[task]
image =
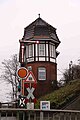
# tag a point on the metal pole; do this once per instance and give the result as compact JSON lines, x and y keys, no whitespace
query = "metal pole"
{"x":64,"y":116}
{"x":6,"y":115}
{"x":53,"y":117}
{"x":23,"y":115}
{"x":48,"y":116}
{"x":18,"y":115}
{"x":70,"y":116}
{"x":29,"y":116}
{"x":59,"y":116}
{"x":35,"y":116}
{"x":0,"y":115}
{"x":41,"y":115}
{"x":75,"y":116}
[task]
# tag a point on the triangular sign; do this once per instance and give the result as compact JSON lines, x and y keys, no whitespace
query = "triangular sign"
{"x":30,"y":78}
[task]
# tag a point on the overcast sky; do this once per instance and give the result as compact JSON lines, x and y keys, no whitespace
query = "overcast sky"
{"x":64,"y":15}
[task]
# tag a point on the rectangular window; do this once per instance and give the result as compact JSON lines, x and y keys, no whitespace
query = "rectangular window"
{"x":26,"y":51}
{"x":41,"y":49}
{"x":52,"y":51}
{"x":41,"y":73}
{"x":30,"y":50}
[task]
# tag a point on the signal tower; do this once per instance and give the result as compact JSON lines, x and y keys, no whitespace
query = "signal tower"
{"x":38,"y":53}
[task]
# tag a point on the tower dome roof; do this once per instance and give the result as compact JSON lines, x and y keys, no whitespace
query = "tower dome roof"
{"x":40,"y":29}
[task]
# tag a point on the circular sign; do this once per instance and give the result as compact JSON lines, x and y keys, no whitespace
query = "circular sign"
{"x":22,"y":72}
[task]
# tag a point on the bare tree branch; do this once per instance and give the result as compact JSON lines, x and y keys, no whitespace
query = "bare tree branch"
{"x":9,"y":72}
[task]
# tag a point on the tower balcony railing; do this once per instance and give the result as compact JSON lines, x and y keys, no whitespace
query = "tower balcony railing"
{"x":38,"y":114}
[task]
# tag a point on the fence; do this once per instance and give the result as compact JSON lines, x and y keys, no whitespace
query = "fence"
{"x":37,"y":114}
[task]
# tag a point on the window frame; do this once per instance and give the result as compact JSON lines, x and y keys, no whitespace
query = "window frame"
{"x":30,"y":50}
{"x":52,"y":51}
{"x":41,"y":49}
{"x":41,"y":77}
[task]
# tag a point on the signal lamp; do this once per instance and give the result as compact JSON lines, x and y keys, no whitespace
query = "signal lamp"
{"x":37,"y":42}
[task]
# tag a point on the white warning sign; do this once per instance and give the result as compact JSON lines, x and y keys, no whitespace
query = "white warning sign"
{"x":30,"y":78}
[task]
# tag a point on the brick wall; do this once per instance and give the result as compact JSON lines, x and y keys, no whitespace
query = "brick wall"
{"x":44,"y":86}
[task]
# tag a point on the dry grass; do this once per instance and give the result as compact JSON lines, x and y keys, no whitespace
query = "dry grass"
{"x":60,"y":97}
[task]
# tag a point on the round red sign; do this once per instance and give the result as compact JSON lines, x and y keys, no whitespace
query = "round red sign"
{"x":22,"y":72}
